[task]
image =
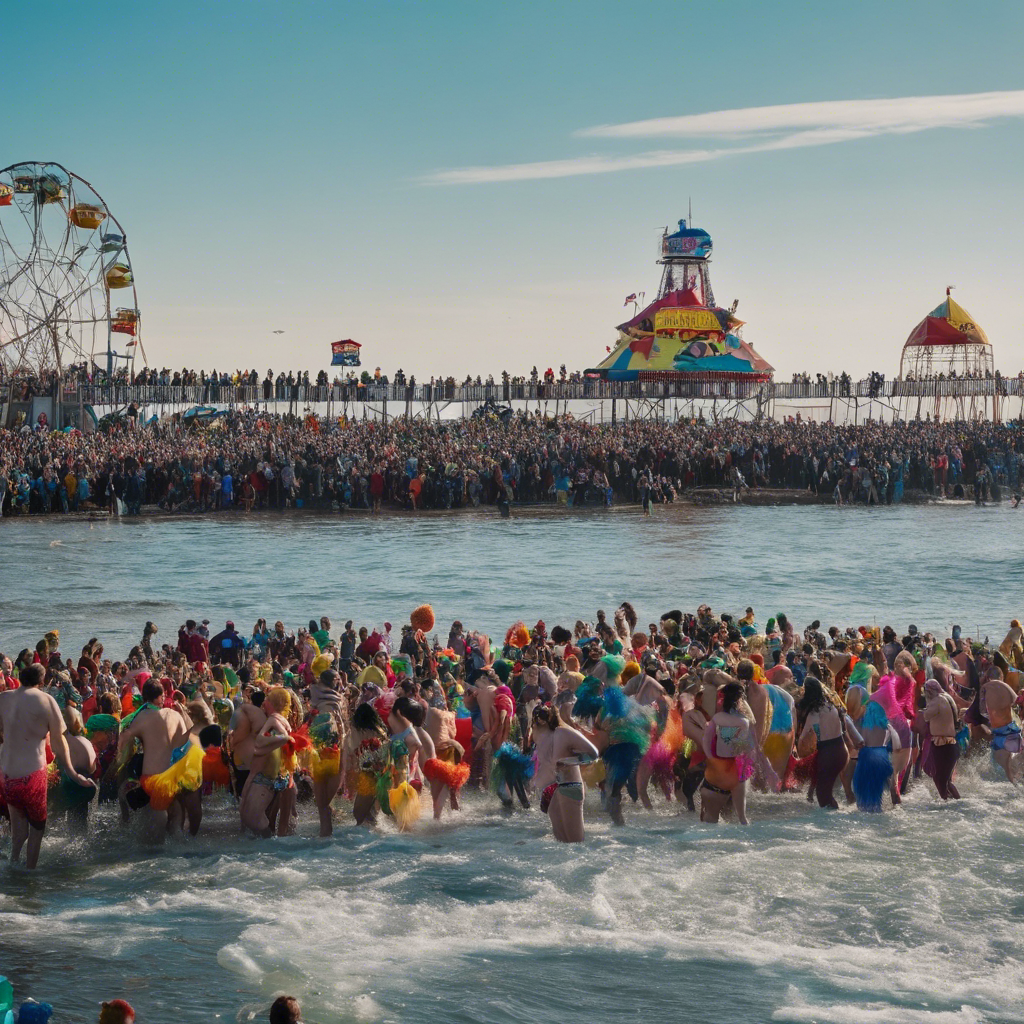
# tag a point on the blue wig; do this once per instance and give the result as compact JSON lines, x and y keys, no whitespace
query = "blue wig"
{"x":874,"y":716}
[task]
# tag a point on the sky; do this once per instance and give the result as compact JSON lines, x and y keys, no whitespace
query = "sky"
{"x":471,"y":187}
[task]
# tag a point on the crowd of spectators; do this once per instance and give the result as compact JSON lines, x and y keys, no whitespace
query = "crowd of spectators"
{"x":253,"y":460}
{"x":282,"y":386}
{"x":295,"y":385}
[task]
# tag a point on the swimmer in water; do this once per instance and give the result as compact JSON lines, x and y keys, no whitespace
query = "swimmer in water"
{"x":830,"y":726}
{"x":327,"y":725}
{"x":246,"y":722}
{"x":1007,"y":748}
{"x":172,"y":766}
{"x":270,"y":788}
{"x":874,"y":771}
{"x":726,"y":744}
{"x":363,"y":758}
{"x":28,"y":718}
{"x":695,"y":722}
{"x":73,"y":800}
{"x":560,"y":752}
{"x":446,"y":772}
{"x":940,"y":713}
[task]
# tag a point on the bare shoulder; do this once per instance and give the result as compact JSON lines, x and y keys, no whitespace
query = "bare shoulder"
{"x":33,"y":695}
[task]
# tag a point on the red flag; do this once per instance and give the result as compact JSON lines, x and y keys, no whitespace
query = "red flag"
{"x":629,"y":299}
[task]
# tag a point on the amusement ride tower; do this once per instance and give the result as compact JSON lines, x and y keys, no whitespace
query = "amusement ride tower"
{"x":685,"y":256}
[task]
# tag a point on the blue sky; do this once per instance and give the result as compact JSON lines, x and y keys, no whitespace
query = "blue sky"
{"x":287,"y":166}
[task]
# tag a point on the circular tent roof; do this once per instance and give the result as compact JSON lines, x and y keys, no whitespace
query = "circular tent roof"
{"x":947,"y":324}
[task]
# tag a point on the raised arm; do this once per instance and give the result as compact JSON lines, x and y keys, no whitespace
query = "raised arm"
{"x":582,"y":747}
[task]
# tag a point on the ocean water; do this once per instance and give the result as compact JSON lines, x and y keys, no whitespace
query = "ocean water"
{"x":932,"y":565}
{"x":805,"y":916}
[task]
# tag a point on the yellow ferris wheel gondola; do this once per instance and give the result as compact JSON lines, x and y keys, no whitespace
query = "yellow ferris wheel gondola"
{"x":87,"y":216}
{"x":6,"y":195}
{"x":119,"y":276}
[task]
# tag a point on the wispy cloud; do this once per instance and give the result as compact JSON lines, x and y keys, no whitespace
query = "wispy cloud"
{"x":905,"y":113}
{"x":791,"y":126}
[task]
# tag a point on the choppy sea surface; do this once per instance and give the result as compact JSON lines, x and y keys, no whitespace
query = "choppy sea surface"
{"x":805,"y":916}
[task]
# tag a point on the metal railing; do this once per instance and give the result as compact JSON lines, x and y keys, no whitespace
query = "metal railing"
{"x":301,"y":395}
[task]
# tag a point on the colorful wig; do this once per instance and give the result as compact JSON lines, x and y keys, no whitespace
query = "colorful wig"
{"x":422,"y":618}
{"x":518,"y":636}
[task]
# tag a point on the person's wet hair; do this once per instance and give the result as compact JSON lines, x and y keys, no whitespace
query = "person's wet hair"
{"x":365,"y":717}
{"x":547,"y":715}
{"x":732,"y":694}
{"x":32,"y":675}
{"x":813,"y":698}
{"x":152,"y":691}
{"x":411,"y":709}
{"x":285,"y":1010}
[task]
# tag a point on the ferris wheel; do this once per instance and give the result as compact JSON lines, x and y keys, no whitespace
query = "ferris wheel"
{"x":62,"y":256}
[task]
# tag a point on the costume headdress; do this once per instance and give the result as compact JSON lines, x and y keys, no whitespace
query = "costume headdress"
{"x":117,"y":1011}
{"x":518,"y":636}
{"x":32,"y":1012}
{"x":422,"y":618}
{"x":589,"y":701}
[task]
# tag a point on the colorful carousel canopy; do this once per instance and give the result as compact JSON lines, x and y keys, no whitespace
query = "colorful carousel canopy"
{"x":674,"y":335}
{"x":947,"y":324}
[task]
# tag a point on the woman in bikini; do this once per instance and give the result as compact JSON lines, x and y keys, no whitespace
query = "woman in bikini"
{"x":695,"y":721}
{"x":560,"y":751}
{"x":270,"y":789}
{"x":829,"y":726}
{"x":727,"y":741}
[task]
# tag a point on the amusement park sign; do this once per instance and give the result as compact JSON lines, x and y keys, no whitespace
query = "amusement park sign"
{"x":686,"y":320}
{"x":686,"y":245}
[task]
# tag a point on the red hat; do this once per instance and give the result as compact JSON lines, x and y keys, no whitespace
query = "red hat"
{"x":230,"y":624}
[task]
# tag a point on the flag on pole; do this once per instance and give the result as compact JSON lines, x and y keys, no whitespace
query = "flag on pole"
{"x":629,"y":299}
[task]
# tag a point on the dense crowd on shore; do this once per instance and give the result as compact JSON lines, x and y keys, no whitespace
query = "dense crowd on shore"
{"x":251,"y":460}
{"x":702,"y":705}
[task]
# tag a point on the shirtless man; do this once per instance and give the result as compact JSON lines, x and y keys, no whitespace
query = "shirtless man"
{"x":440,"y":726}
{"x":172,"y":766}
{"x":246,"y":722}
{"x":998,"y":699}
{"x":27,"y":717}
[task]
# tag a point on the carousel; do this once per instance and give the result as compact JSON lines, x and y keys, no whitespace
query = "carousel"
{"x":684,"y":335}
{"x":947,"y":367}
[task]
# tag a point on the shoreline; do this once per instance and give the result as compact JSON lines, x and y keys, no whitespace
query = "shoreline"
{"x":695,"y":498}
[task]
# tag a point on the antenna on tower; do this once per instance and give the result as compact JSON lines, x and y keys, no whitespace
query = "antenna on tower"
{"x":689,"y":210}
